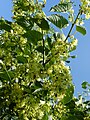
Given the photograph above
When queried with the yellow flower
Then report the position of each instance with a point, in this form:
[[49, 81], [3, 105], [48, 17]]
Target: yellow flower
[[87, 16]]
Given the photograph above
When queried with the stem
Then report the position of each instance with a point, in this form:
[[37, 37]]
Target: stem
[[48, 60], [43, 52], [4, 66], [73, 25]]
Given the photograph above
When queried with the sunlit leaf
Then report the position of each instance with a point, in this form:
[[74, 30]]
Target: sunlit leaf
[[58, 20], [61, 7]]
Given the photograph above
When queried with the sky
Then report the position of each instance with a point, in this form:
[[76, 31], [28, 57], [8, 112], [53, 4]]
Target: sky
[[80, 66]]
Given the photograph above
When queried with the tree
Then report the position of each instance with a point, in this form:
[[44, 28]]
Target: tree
[[36, 83]]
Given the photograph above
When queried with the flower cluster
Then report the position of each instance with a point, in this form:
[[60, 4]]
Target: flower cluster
[[85, 6]]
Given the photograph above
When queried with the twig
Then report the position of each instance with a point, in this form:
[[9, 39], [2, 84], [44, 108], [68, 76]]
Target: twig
[[68, 34], [73, 25], [43, 50]]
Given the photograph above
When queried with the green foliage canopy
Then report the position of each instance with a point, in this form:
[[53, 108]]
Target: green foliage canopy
[[35, 82]]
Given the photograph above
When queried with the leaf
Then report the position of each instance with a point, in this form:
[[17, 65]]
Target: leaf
[[73, 56], [46, 51], [58, 20], [40, 49], [73, 117], [33, 36], [68, 95], [67, 61], [81, 29], [37, 84], [21, 59], [58, 35], [71, 104], [4, 75], [45, 117], [49, 42], [84, 85], [43, 24], [61, 7], [27, 89], [5, 25], [87, 102], [26, 24]]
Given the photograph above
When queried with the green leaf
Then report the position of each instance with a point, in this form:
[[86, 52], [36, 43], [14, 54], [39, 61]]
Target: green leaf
[[84, 85], [58, 35], [71, 104], [69, 117], [46, 51], [33, 36], [87, 102], [61, 7], [5, 25], [72, 117], [58, 20], [40, 49], [81, 29], [73, 56], [37, 84], [43, 24], [45, 117], [26, 24], [21, 59], [27, 90], [67, 61], [4, 75], [68, 95], [49, 42]]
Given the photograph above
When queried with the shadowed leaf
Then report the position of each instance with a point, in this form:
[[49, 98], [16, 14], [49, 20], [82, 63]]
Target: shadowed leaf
[[5, 25], [33, 36], [81, 30]]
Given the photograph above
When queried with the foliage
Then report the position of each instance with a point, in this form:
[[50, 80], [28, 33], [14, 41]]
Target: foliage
[[35, 82]]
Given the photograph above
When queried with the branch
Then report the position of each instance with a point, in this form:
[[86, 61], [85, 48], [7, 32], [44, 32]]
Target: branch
[[67, 35], [73, 25], [7, 72], [43, 50], [48, 60]]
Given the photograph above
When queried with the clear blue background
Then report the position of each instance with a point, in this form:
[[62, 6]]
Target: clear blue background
[[80, 66]]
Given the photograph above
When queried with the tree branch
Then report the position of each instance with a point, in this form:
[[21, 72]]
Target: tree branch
[[73, 25], [68, 33], [43, 50]]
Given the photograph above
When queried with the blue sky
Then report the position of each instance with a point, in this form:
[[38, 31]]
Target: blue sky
[[80, 66]]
